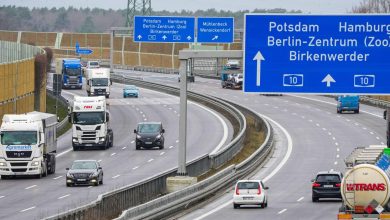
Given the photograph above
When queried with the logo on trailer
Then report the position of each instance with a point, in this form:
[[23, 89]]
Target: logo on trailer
[[88, 107], [366, 187]]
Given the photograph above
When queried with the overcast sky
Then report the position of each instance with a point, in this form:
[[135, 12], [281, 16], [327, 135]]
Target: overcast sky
[[308, 6]]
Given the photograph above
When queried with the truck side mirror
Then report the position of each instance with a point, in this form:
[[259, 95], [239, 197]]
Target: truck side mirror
[[336, 98], [163, 130], [385, 114], [69, 118], [135, 131], [110, 82], [107, 116], [87, 82], [66, 168]]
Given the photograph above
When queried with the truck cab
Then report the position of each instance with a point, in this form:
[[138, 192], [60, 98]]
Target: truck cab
[[70, 69], [348, 103], [98, 82]]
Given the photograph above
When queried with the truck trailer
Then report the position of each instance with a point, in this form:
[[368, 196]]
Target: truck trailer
[[28, 144], [90, 123]]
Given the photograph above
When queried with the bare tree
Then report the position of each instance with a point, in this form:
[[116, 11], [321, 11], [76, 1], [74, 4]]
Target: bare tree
[[373, 6]]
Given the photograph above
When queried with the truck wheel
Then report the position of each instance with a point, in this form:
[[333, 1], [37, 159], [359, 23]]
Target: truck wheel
[[75, 148], [3, 177], [236, 206], [314, 199], [44, 174], [357, 111], [52, 164], [107, 96], [137, 147]]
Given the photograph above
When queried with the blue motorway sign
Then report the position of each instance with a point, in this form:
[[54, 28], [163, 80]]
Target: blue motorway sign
[[164, 29], [82, 50], [320, 54], [215, 30]]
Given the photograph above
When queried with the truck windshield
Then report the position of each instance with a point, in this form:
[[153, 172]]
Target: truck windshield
[[100, 82], [19, 137], [73, 72], [88, 118]]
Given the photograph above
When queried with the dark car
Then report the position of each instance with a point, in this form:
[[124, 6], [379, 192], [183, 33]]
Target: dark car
[[326, 185], [149, 135], [84, 172]]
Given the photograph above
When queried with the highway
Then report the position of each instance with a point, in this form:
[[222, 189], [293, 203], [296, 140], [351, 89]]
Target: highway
[[29, 198], [320, 140]]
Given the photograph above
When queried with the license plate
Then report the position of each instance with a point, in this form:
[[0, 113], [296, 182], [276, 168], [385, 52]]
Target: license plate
[[247, 198], [73, 87], [328, 186], [88, 145], [148, 142], [81, 180]]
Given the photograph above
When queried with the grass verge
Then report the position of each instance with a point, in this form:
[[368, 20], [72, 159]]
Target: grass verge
[[62, 113]]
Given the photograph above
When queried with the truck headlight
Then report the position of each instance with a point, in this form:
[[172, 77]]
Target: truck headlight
[[35, 163], [102, 139], [75, 140], [3, 164]]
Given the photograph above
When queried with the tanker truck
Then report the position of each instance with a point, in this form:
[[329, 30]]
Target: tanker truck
[[28, 144], [365, 187]]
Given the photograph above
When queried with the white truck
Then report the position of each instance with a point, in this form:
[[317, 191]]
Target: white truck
[[28, 144], [98, 82], [90, 123], [365, 186]]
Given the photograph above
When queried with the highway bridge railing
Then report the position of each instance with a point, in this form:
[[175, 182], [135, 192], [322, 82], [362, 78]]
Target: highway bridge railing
[[111, 204]]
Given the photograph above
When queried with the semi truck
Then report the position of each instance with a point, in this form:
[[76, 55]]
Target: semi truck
[[365, 185], [70, 69], [90, 123], [347, 103], [98, 82], [28, 144]]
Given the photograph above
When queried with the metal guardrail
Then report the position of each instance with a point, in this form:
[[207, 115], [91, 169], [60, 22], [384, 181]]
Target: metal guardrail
[[375, 102], [177, 201], [63, 101], [111, 204]]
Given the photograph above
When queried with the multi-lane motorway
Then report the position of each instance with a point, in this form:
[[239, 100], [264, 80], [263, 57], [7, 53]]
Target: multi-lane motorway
[[311, 137], [28, 198]]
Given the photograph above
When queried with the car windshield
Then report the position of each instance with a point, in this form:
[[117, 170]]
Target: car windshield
[[19, 137], [88, 118], [131, 87], [94, 64], [99, 82], [248, 185], [73, 72], [328, 178], [148, 128], [80, 165]]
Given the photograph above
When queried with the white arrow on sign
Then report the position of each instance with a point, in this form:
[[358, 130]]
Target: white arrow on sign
[[139, 36], [328, 79], [259, 57], [189, 38], [164, 37], [215, 37]]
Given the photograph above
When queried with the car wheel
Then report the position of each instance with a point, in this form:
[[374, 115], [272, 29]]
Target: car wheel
[[124, 96], [161, 147], [314, 199], [101, 181], [137, 147], [236, 206], [96, 184], [68, 184]]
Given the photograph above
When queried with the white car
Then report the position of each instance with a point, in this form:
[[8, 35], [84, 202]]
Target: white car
[[250, 192]]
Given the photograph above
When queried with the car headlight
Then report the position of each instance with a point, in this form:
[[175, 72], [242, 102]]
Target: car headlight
[[69, 175], [93, 175], [158, 136], [35, 163], [102, 139], [138, 136], [3, 164]]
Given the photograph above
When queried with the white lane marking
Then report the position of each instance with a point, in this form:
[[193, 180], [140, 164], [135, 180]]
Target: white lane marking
[[144, 116], [116, 176], [337, 156], [310, 120], [64, 196], [123, 148], [330, 103], [334, 138], [318, 125], [175, 112], [145, 119], [56, 178], [134, 168], [331, 170], [335, 163], [170, 147], [357, 124], [33, 207], [113, 154], [276, 107], [324, 129], [177, 141], [31, 187], [348, 120], [150, 160], [337, 144], [89, 187], [132, 142], [377, 138], [266, 104], [371, 132], [141, 112], [364, 128], [99, 161], [2, 197], [162, 153], [329, 133], [62, 153], [300, 199], [282, 211], [294, 113], [328, 113], [338, 149], [303, 117], [338, 116], [280, 165]]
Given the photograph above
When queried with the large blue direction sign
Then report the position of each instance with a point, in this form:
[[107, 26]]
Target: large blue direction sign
[[215, 30], [321, 54], [164, 29], [85, 51]]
